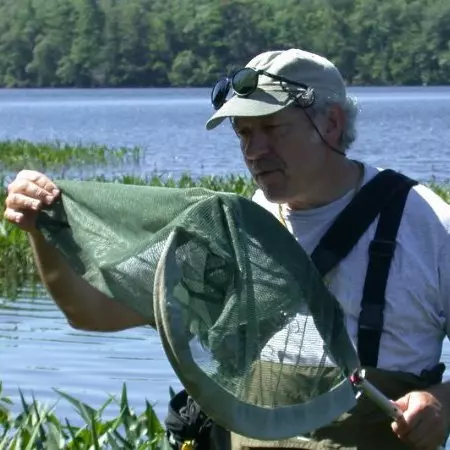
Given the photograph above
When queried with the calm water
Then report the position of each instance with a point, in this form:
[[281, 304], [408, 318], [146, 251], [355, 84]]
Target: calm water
[[404, 128]]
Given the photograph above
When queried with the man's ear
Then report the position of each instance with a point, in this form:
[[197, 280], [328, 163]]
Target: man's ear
[[335, 124]]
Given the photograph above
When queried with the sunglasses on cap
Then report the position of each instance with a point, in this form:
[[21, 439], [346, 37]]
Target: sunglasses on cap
[[245, 81]]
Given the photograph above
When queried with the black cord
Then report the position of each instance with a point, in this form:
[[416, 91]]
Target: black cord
[[334, 149]]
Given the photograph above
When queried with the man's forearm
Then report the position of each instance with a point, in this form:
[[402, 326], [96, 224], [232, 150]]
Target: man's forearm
[[54, 272], [83, 305]]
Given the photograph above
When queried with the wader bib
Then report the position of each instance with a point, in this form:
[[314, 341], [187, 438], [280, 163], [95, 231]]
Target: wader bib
[[365, 426]]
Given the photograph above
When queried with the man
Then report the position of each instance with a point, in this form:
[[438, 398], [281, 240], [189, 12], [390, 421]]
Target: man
[[295, 123]]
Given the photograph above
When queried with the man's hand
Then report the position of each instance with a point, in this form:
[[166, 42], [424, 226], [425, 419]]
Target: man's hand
[[27, 194], [425, 420]]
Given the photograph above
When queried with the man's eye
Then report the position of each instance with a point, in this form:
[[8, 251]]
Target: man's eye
[[273, 127], [283, 129], [277, 125], [243, 132]]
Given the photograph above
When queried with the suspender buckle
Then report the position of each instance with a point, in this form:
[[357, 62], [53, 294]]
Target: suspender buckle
[[371, 317], [383, 248]]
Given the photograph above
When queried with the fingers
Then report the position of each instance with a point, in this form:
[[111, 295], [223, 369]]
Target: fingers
[[33, 185], [13, 216], [21, 201], [417, 433], [27, 201], [400, 427], [27, 194], [419, 430], [36, 177]]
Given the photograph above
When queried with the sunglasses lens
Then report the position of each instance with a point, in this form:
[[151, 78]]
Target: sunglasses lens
[[245, 81], [220, 92]]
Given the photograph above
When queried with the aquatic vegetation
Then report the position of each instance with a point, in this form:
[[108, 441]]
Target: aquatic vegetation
[[37, 426], [16, 155], [443, 190]]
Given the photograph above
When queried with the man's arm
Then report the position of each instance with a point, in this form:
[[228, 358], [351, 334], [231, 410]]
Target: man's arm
[[84, 306]]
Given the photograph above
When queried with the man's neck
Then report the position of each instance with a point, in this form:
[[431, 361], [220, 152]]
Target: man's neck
[[333, 183]]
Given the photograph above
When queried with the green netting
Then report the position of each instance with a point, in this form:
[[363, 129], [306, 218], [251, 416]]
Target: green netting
[[229, 289]]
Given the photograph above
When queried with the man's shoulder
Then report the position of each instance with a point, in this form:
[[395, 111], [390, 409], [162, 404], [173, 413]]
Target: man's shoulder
[[423, 203]]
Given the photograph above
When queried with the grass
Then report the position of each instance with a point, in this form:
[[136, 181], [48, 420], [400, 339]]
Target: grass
[[442, 190], [37, 427], [16, 155]]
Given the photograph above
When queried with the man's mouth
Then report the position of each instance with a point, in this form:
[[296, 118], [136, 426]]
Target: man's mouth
[[263, 173]]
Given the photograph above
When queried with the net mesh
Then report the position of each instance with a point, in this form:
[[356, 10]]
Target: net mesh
[[231, 292]]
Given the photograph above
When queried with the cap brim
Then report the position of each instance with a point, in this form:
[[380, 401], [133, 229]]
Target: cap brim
[[260, 103]]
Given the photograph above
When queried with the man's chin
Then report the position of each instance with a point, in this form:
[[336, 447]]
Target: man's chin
[[273, 184], [274, 194]]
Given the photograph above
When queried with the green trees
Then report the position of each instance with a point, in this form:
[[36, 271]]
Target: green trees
[[87, 43], [82, 64], [18, 33], [52, 45]]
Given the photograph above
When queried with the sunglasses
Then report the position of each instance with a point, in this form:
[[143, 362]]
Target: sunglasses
[[245, 81]]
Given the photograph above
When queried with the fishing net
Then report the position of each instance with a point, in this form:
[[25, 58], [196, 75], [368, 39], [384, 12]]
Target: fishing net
[[231, 293]]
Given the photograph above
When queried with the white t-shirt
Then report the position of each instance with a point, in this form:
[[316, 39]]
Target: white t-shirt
[[418, 288]]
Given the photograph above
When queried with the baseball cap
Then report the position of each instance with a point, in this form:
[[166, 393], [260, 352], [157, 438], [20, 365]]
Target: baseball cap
[[270, 96]]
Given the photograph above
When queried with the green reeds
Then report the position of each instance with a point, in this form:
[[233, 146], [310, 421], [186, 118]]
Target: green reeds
[[20, 154], [16, 261], [37, 427], [443, 190]]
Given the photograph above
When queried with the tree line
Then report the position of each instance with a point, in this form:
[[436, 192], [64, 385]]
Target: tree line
[[143, 43]]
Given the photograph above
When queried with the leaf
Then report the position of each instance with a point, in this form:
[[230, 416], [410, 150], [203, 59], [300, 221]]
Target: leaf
[[85, 411]]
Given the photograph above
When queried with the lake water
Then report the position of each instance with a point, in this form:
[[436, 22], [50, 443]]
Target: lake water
[[404, 128]]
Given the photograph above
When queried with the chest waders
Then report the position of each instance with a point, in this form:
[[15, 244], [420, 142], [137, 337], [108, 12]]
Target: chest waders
[[365, 427]]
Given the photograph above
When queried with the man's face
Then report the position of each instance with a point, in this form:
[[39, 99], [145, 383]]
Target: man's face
[[282, 151]]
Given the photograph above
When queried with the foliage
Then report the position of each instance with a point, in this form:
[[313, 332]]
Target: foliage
[[15, 155], [91, 43], [37, 427]]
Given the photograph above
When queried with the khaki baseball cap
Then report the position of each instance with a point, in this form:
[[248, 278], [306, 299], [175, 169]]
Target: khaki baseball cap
[[270, 97]]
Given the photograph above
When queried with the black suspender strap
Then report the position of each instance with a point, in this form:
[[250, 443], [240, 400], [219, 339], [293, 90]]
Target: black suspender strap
[[354, 220], [381, 253], [384, 195]]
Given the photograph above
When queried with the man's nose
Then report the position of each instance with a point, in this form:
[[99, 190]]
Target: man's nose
[[256, 146]]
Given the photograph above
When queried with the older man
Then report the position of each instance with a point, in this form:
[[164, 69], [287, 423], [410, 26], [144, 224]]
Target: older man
[[295, 123]]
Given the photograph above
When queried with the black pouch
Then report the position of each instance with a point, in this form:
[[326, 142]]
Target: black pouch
[[434, 375], [188, 427]]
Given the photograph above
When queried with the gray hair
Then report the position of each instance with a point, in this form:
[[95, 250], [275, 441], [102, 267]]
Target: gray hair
[[350, 108]]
